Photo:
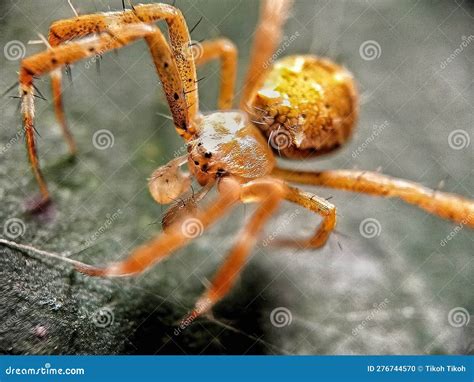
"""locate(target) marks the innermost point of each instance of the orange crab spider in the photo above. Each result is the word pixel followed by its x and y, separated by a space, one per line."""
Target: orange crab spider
pixel 298 106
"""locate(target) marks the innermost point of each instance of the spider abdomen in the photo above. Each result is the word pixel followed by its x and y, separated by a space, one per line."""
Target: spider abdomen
pixel 307 106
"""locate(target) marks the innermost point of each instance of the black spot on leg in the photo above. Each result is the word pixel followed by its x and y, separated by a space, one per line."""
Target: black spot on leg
pixel 196 163
pixel 56 35
pixel 208 155
pixel 176 96
pixel 204 167
pixel 91 49
pixel 54 61
pixel 166 65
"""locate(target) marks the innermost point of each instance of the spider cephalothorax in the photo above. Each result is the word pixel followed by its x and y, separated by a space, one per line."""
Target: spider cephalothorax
pixel 300 106
pixel 228 143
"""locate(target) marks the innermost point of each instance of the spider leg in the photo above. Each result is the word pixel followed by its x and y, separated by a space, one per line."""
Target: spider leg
pixel 84 25
pixel 56 78
pixel 177 235
pixel 68 29
pixel 268 193
pixel 173 87
pixel 224 50
pixel 59 32
pixel 318 205
pixel 446 205
pixel 273 14
pixel 52 59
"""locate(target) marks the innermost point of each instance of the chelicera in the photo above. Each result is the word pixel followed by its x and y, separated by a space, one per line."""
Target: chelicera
pixel 296 107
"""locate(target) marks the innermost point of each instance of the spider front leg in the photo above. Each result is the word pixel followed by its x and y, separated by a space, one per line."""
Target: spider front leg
pixel 224 50
pixel 66 30
pixel 445 205
pixel 53 59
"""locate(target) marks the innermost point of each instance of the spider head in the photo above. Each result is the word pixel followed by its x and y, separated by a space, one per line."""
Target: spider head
pixel 227 143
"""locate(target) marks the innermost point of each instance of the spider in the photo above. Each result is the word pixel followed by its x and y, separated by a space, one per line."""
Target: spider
pixel 297 107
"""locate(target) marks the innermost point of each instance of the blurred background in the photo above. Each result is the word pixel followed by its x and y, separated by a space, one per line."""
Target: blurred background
pixel 391 280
